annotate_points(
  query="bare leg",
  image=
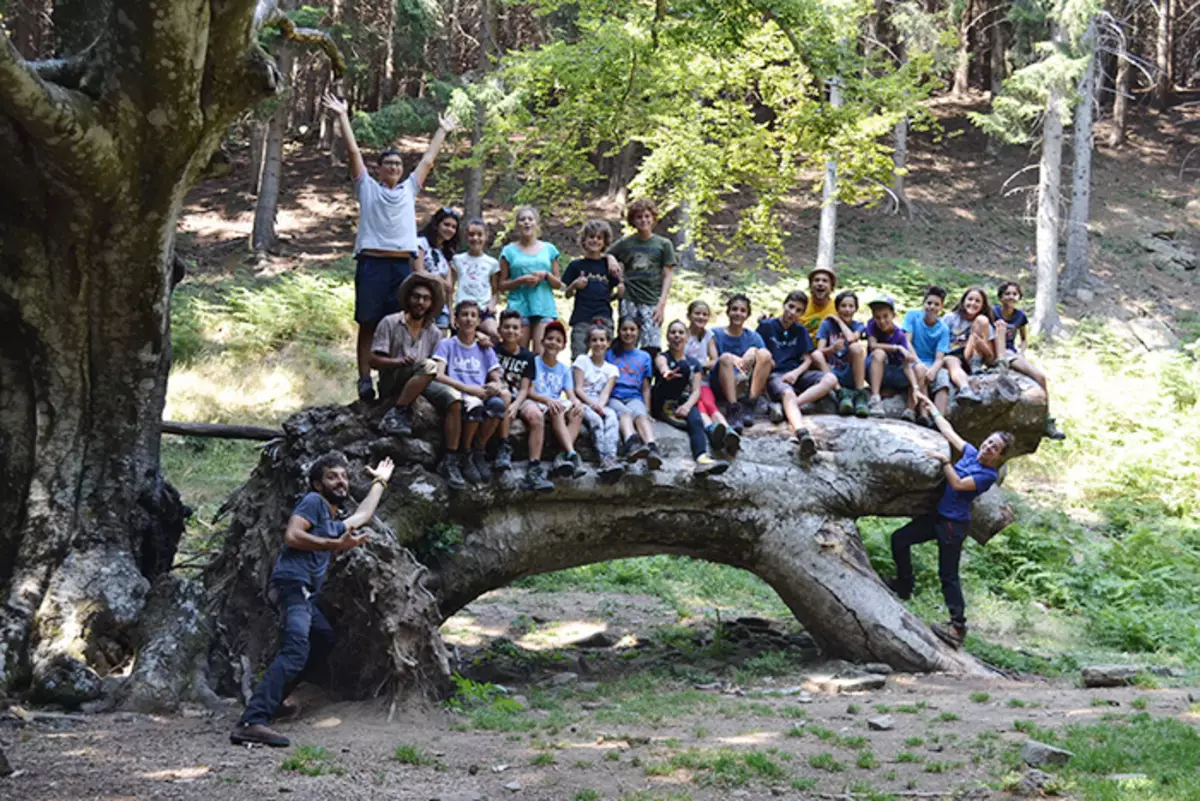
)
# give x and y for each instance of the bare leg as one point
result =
(489, 327)
(486, 429)
(563, 431)
(645, 429)
(505, 421)
(791, 410)
(858, 364)
(415, 386)
(468, 433)
(536, 335)
(827, 384)
(762, 371)
(536, 424)
(727, 378)
(453, 426)
(525, 337)
(942, 400)
(911, 375)
(625, 426)
(574, 424)
(366, 333)
(819, 362)
(878, 362)
(978, 343)
(1023, 365)
(958, 376)
(1001, 335)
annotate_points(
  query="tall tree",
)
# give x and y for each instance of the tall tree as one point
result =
(827, 232)
(1076, 271)
(94, 164)
(1162, 54)
(1046, 321)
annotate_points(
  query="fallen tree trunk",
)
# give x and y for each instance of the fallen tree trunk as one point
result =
(789, 521)
(220, 430)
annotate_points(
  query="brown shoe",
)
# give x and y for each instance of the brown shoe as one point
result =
(258, 734)
(950, 633)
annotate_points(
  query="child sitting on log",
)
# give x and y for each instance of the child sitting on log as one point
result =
(473, 370)
(594, 379)
(518, 367)
(630, 397)
(675, 397)
(929, 340)
(891, 359)
(1011, 322)
(843, 342)
(971, 338)
(552, 391)
(741, 364)
(697, 347)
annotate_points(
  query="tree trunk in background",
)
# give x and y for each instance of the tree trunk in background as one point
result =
(263, 238)
(900, 160)
(86, 255)
(1045, 315)
(1077, 272)
(827, 233)
(998, 65)
(258, 146)
(1120, 110)
(1162, 56)
(962, 65)
(623, 167)
(473, 191)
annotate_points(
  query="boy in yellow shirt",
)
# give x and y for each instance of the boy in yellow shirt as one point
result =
(821, 286)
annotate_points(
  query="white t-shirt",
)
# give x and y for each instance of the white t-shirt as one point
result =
(595, 377)
(387, 218)
(698, 348)
(473, 277)
(435, 263)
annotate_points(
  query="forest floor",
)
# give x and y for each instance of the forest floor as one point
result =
(679, 707)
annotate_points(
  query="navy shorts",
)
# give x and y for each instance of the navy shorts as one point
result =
(845, 376)
(377, 281)
(894, 378)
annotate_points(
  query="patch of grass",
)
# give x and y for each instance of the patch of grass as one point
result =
(412, 755)
(1016, 703)
(825, 761)
(911, 709)
(981, 697)
(312, 760)
(763, 766)
(914, 742)
(794, 712)
(947, 717)
(586, 794)
(1139, 703)
(882, 709)
(866, 760)
(768, 663)
(907, 757)
(612, 755)
(937, 767)
(542, 760)
(855, 741)
(796, 731)
(852, 709)
(804, 783)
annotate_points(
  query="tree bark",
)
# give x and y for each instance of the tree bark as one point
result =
(1162, 56)
(263, 238)
(997, 63)
(623, 168)
(962, 64)
(91, 182)
(827, 233)
(258, 149)
(790, 522)
(29, 22)
(1116, 137)
(1077, 272)
(473, 191)
(1045, 320)
(900, 160)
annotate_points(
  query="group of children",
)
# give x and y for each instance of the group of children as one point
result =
(495, 367)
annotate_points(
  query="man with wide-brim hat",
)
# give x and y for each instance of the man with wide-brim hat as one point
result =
(402, 352)
(822, 281)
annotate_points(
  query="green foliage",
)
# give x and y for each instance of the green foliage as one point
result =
(412, 755)
(311, 760)
(405, 116)
(441, 539)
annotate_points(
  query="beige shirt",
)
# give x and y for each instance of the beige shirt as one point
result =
(393, 339)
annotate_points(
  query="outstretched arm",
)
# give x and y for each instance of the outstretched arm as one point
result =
(366, 510)
(943, 425)
(341, 109)
(445, 126)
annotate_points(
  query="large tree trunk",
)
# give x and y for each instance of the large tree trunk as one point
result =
(997, 63)
(790, 522)
(91, 182)
(1076, 273)
(962, 63)
(1045, 315)
(623, 168)
(900, 163)
(263, 238)
(1116, 137)
(827, 232)
(473, 191)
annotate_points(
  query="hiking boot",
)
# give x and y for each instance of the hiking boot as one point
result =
(708, 466)
(716, 434)
(900, 592)
(845, 402)
(576, 461)
(1051, 429)
(635, 449)
(875, 406)
(469, 471)
(950, 633)
(967, 395)
(535, 479)
(562, 467)
(397, 422)
(733, 443)
(452, 472)
(366, 391)
(610, 470)
(503, 461)
(735, 416)
(654, 459)
(479, 461)
(258, 734)
(862, 408)
(775, 413)
(908, 416)
(808, 446)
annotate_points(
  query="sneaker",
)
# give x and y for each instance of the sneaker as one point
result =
(635, 449)
(862, 408)
(735, 416)
(1051, 429)
(967, 395)
(950, 633)
(900, 592)
(653, 459)
(480, 463)
(366, 391)
(535, 479)
(733, 443)
(503, 457)
(610, 470)
(875, 406)
(562, 467)
(258, 734)
(845, 402)
(775, 413)
(808, 446)
(452, 473)
(397, 422)
(577, 464)
(470, 471)
(908, 416)
(717, 433)
(708, 466)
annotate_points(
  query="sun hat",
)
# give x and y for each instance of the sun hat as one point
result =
(435, 287)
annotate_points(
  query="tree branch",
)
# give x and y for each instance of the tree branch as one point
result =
(307, 36)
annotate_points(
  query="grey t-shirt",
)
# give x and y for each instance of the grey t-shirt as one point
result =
(387, 218)
(309, 567)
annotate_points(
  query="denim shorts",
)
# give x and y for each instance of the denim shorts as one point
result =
(845, 376)
(631, 406)
(377, 281)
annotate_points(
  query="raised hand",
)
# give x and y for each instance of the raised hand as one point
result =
(382, 471)
(447, 123)
(335, 104)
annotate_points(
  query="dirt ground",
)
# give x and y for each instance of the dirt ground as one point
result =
(606, 734)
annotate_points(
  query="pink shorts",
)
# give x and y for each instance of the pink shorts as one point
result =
(708, 402)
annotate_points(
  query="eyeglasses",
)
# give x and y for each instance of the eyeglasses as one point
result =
(392, 163)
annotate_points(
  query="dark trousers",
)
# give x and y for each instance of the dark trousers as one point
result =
(697, 436)
(306, 640)
(950, 536)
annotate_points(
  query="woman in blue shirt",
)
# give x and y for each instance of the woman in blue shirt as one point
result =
(529, 274)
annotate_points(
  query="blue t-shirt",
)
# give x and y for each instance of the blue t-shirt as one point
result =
(788, 346)
(726, 343)
(927, 340)
(1016, 322)
(467, 364)
(633, 368)
(956, 505)
(309, 566)
(831, 333)
(531, 301)
(552, 381)
(896, 337)
(594, 301)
